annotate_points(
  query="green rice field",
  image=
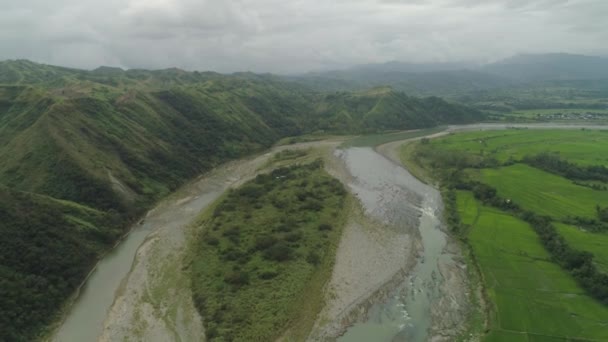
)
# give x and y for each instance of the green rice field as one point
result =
(529, 296)
(596, 244)
(532, 298)
(581, 147)
(543, 192)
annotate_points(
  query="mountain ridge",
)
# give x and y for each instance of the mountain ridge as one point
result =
(460, 79)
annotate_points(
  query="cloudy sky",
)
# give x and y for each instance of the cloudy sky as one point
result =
(294, 35)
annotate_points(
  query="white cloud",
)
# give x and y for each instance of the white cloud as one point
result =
(293, 35)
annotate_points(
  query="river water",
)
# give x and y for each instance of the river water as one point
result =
(85, 321)
(394, 197)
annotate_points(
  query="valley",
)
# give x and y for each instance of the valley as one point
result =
(164, 310)
(303, 171)
(170, 205)
(358, 291)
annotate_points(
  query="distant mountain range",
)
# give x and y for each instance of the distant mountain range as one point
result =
(550, 67)
(461, 78)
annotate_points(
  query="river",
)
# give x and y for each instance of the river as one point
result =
(393, 196)
(387, 192)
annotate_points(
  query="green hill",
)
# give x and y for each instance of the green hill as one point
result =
(384, 109)
(106, 144)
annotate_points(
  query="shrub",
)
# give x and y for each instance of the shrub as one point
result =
(279, 252)
(325, 227)
(212, 240)
(313, 258)
(313, 205)
(264, 242)
(267, 275)
(293, 237)
(237, 278)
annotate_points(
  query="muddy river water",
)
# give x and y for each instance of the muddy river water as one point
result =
(393, 196)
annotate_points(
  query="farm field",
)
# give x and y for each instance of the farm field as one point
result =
(596, 244)
(543, 192)
(534, 299)
(580, 147)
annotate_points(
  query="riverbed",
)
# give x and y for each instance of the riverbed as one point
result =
(408, 297)
(397, 276)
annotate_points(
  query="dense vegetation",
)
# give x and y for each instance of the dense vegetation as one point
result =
(260, 250)
(113, 142)
(46, 250)
(488, 171)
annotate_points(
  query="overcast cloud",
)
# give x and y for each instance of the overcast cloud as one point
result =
(294, 35)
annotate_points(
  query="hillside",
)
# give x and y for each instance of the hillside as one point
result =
(80, 148)
(384, 109)
(47, 249)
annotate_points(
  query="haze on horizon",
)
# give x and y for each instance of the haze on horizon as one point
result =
(294, 36)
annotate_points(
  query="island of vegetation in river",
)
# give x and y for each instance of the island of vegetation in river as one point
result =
(530, 204)
(264, 253)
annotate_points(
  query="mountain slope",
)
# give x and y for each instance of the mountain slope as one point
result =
(47, 249)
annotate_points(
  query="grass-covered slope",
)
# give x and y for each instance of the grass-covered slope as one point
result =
(72, 147)
(265, 252)
(382, 109)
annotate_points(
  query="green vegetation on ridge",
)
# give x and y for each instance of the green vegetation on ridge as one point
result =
(265, 252)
